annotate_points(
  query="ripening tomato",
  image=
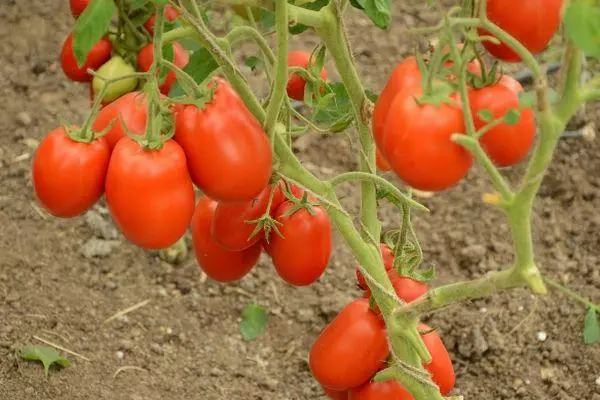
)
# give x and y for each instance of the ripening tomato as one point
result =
(68, 176)
(296, 84)
(78, 6)
(388, 261)
(218, 263)
(301, 253)
(171, 14)
(180, 59)
(336, 395)
(418, 144)
(511, 83)
(114, 68)
(381, 162)
(505, 144)
(440, 366)
(228, 152)
(98, 55)
(405, 77)
(350, 349)
(231, 226)
(149, 193)
(531, 22)
(388, 390)
(131, 110)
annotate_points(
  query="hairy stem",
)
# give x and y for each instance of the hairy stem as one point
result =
(281, 68)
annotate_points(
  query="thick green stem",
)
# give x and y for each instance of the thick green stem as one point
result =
(281, 68)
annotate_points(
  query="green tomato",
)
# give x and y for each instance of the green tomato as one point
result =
(114, 68)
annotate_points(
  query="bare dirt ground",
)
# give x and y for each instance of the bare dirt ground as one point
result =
(187, 339)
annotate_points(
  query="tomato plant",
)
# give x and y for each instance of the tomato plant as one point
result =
(220, 264)
(197, 120)
(99, 54)
(134, 179)
(224, 139)
(68, 175)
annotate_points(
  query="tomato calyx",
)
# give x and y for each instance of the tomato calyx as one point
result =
(408, 260)
(306, 202)
(440, 94)
(266, 223)
(487, 76)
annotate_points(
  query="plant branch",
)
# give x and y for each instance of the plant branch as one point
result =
(281, 68)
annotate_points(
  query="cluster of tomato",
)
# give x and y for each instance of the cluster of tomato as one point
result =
(110, 65)
(414, 134)
(354, 347)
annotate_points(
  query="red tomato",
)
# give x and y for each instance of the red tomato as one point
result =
(511, 83)
(78, 6)
(98, 55)
(350, 349)
(406, 288)
(228, 152)
(219, 264)
(149, 193)
(171, 14)
(230, 226)
(382, 163)
(296, 84)
(531, 22)
(68, 176)
(440, 366)
(388, 262)
(130, 109)
(505, 144)
(389, 390)
(335, 395)
(301, 254)
(417, 143)
(405, 77)
(180, 58)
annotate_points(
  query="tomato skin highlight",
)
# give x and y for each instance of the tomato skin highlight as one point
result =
(218, 263)
(229, 154)
(78, 7)
(505, 144)
(531, 22)
(350, 349)
(406, 77)
(511, 83)
(389, 390)
(301, 256)
(230, 227)
(68, 176)
(296, 84)
(98, 55)
(418, 145)
(180, 58)
(171, 14)
(440, 366)
(149, 193)
(130, 109)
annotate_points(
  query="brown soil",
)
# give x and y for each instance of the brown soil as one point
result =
(187, 338)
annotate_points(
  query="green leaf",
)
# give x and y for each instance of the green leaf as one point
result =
(360, 4)
(47, 355)
(91, 26)
(267, 18)
(512, 117)
(254, 321)
(379, 11)
(485, 115)
(201, 65)
(252, 62)
(591, 327)
(334, 105)
(582, 21)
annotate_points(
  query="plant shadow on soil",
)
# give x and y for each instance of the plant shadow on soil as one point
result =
(187, 339)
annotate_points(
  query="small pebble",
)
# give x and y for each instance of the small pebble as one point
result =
(24, 119)
(483, 309)
(521, 308)
(29, 390)
(120, 355)
(598, 381)
(542, 336)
